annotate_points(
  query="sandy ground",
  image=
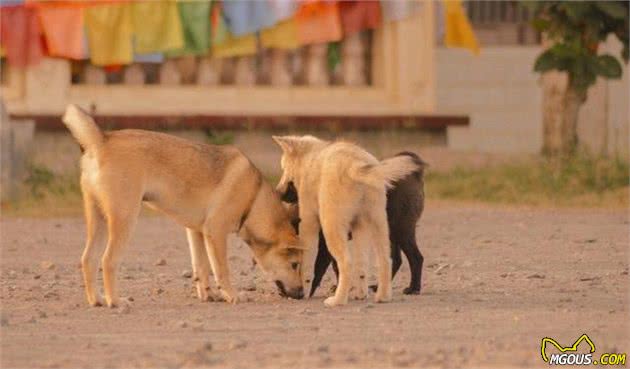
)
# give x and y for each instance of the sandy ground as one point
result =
(496, 281)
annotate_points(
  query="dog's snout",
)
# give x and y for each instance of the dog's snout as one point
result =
(298, 293)
(295, 293)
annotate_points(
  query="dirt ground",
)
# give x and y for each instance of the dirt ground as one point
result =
(496, 281)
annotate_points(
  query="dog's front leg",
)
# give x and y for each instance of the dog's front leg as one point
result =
(120, 224)
(200, 264)
(216, 247)
(309, 238)
(336, 237)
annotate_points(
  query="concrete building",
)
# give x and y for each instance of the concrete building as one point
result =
(502, 95)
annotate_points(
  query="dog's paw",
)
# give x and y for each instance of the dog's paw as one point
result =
(95, 301)
(358, 293)
(333, 301)
(205, 294)
(205, 297)
(412, 291)
(383, 296)
(230, 297)
(112, 303)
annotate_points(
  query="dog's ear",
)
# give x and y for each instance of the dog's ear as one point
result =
(296, 145)
(296, 246)
(286, 143)
(291, 239)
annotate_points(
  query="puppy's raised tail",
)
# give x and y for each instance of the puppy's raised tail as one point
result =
(388, 171)
(83, 128)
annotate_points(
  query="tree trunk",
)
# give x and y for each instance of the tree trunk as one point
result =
(561, 106)
(572, 102)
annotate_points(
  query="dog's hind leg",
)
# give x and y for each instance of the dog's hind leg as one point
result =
(396, 260)
(200, 263)
(121, 220)
(95, 226)
(338, 246)
(380, 239)
(359, 247)
(415, 259)
(396, 257)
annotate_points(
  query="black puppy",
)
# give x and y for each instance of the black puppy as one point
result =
(405, 203)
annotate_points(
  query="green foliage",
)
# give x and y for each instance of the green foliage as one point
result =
(333, 55)
(41, 182)
(545, 181)
(576, 29)
(39, 178)
(223, 138)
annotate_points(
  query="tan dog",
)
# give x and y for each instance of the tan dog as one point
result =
(341, 189)
(210, 190)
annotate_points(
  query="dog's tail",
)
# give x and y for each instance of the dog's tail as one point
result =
(418, 160)
(83, 128)
(388, 171)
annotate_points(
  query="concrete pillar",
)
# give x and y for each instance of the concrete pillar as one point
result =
(353, 61)
(93, 75)
(169, 73)
(245, 73)
(316, 68)
(187, 66)
(134, 75)
(280, 69)
(209, 71)
(16, 143)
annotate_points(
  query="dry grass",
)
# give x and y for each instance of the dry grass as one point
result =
(582, 181)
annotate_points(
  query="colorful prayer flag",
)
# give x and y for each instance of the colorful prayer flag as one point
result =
(459, 32)
(157, 26)
(110, 30)
(21, 35)
(318, 22)
(64, 29)
(195, 21)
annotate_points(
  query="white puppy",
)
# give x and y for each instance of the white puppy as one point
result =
(342, 189)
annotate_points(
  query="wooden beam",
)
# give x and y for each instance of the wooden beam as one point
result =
(431, 122)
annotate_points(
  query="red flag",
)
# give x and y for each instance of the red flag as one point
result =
(21, 35)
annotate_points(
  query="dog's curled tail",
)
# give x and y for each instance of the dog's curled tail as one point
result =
(82, 127)
(388, 171)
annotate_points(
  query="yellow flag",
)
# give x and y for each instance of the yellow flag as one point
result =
(109, 30)
(157, 26)
(281, 36)
(235, 46)
(459, 32)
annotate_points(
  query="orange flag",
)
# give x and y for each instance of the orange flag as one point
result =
(63, 26)
(318, 22)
